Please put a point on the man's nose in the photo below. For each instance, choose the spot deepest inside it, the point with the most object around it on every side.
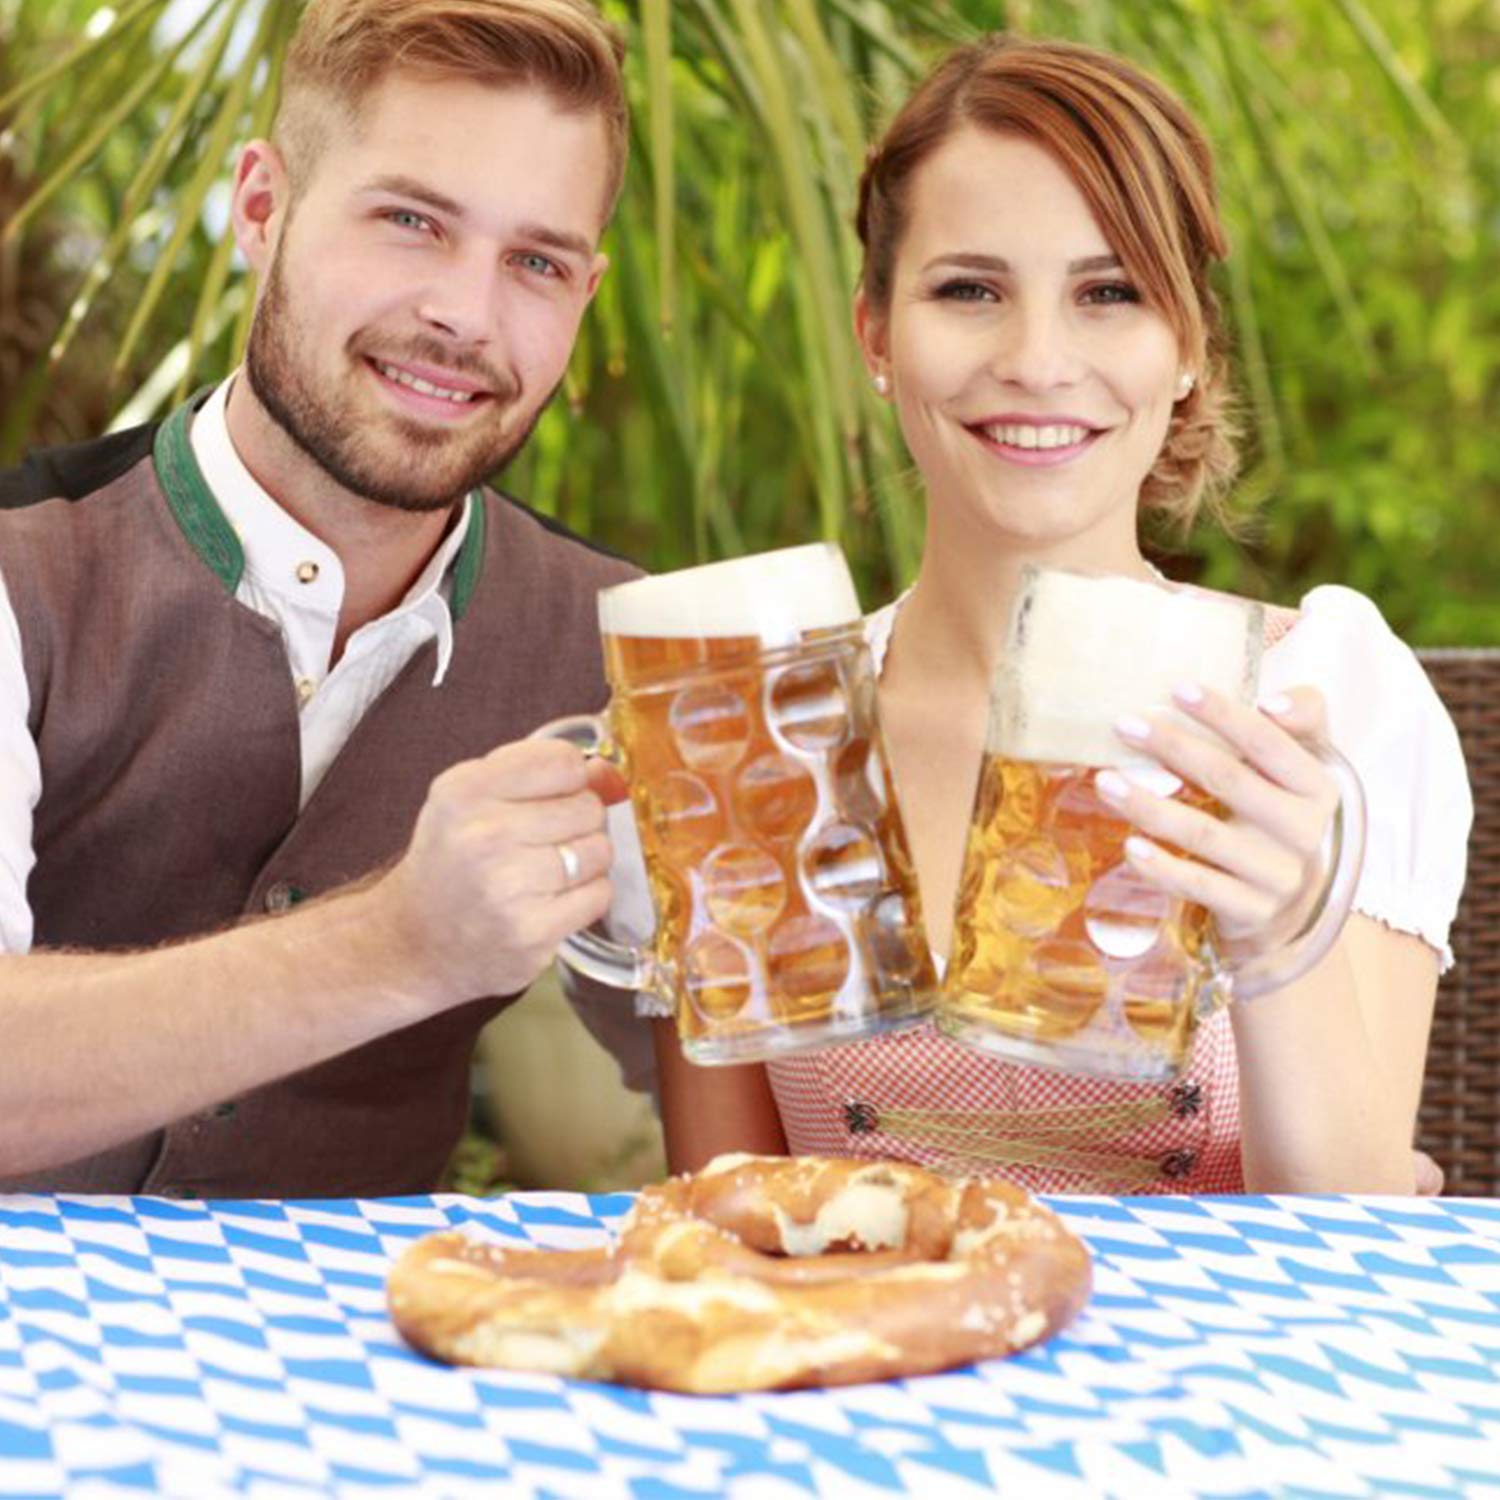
(463, 301)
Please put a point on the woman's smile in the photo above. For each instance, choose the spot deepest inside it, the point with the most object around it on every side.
(1036, 442)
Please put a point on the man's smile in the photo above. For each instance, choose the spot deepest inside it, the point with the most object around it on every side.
(427, 389)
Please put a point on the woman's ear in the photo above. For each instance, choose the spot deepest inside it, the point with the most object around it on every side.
(870, 329)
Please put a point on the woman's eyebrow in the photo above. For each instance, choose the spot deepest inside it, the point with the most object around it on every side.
(977, 261)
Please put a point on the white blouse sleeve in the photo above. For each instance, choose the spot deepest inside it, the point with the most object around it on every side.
(20, 786)
(1387, 719)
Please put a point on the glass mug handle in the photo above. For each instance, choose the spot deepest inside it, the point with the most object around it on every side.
(621, 965)
(1343, 857)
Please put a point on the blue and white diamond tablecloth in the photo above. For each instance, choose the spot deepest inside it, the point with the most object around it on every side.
(1234, 1347)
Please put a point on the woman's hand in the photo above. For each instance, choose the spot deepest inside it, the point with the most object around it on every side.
(1252, 867)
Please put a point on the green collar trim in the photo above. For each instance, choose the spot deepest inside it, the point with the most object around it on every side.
(470, 562)
(203, 523)
(211, 536)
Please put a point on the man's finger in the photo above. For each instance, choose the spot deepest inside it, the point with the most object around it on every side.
(530, 769)
(605, 780)
(587, 858)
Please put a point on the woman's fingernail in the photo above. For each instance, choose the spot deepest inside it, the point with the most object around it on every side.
(1140, 850)
(1112, 786)
(1130, 727)
(1277, 703)
(1189, 693)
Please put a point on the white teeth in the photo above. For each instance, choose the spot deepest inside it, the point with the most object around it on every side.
(425, 387)
(1026, 435)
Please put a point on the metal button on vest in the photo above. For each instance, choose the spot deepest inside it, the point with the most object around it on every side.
(306, 687)
(282, 896)
(307, 572)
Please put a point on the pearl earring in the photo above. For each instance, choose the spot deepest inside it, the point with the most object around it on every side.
(1184, 385)
(881, 384)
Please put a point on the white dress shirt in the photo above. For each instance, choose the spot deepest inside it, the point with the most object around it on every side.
(290, 577)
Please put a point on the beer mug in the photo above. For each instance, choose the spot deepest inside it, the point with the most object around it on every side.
(743, 716)
(1062, 954)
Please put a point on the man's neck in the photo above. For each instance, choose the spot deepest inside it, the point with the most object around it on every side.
(382, 549)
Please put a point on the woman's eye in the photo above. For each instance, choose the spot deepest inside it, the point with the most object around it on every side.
(965, 291)
(1108, 293)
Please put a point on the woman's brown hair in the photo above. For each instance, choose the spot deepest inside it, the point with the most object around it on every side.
(1146, 172)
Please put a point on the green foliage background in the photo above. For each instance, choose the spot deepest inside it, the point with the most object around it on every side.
(716, 403)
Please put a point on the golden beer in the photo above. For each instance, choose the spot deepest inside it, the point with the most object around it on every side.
(743, 715)
(1062, 953)
(1057, 943)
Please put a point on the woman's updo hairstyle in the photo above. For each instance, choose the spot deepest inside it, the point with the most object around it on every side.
(1146, 172)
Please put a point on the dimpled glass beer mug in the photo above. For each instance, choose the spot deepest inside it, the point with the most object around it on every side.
(1062, 954)
(743, 715)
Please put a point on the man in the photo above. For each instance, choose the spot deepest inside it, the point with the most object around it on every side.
(259, 660)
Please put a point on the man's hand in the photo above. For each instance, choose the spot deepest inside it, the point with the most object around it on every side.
(482, 896)
(94, 1044)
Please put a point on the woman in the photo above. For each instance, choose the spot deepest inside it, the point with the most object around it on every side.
(1039, 223)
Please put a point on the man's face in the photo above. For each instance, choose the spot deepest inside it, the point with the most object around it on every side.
(425, 288)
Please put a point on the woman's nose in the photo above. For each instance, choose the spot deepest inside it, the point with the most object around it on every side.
(1036, 348)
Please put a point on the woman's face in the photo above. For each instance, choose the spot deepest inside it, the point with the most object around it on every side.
(1033, 385)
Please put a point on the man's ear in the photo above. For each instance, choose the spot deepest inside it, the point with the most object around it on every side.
(871, 330)
(262, 193)
(596, 274)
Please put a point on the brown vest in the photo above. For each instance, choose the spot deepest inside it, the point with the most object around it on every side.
(166, 722)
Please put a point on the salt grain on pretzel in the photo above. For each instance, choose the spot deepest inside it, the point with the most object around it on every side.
(760, 1273)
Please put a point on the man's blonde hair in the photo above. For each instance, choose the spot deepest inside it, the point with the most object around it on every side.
(344, 48)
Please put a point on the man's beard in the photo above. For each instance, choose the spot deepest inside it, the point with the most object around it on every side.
(437, 467)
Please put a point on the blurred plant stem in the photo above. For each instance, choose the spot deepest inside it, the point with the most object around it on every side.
(716, 402)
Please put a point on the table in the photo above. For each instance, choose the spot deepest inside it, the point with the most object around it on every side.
(1233, 1347)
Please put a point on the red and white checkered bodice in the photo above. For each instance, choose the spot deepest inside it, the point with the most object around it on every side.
(834, 1103)
(917, 1096)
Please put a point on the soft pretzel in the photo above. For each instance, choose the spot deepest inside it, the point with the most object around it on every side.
(760, 1273)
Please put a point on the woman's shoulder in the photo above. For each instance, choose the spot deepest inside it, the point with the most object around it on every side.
(1336, 639)
(1334, 609)
(1330, 612)
(1387, 718)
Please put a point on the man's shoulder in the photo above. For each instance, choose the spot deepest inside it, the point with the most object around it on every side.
(74, 471)
(576, 553)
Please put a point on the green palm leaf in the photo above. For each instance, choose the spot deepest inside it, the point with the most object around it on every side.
(720, 379)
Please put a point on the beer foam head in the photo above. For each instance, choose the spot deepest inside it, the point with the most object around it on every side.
(777, 596)
(1081, 651)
